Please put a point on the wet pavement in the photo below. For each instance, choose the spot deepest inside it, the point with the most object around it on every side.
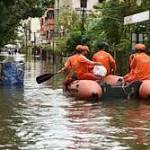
(40, 117)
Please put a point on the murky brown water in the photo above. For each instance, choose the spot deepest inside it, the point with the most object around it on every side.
(40, 117)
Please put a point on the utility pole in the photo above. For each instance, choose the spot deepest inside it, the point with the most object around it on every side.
(83, 5)
(83, 21)
(26, 39)
(34, 39)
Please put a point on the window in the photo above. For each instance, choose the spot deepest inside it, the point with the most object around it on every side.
(100, 1)
(50, 14)
(83, 3)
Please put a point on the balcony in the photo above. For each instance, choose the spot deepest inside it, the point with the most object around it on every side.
(49, 22)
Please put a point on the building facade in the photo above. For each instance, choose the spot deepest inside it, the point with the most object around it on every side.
(75, 4)
(47, 23)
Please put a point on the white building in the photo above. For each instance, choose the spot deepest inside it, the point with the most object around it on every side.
(34, 29)
(75, 4)
(30, 30)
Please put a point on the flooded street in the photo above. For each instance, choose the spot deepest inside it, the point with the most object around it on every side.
(40, 117)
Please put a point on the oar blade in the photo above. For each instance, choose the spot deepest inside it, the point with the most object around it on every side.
(44, 77)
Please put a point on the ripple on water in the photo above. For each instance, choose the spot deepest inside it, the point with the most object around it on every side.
(42, 118)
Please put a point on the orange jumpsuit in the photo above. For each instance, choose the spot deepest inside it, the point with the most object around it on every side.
(79, 64)
(140, 68)
(105, 59)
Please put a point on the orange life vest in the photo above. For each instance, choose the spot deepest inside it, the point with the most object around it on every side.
(140, 68)
(78, 64)
(105, 59)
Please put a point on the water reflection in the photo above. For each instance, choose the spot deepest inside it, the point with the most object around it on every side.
(138, 123)
(133, 117)
(39, 116)
(9, 101)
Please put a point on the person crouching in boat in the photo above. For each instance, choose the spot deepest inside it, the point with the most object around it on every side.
(139, 64)
(77, 66)
(105, 58)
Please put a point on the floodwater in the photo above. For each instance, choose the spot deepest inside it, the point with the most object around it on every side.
(40, 117)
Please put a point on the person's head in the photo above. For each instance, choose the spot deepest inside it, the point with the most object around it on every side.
(78, 48)
(103, 46)
(85, 50)
(82, 49)
(139, 47)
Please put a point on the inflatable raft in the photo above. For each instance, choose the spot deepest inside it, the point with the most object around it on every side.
(140, 89)
(84, 89)
(144, 90)
(88, 89)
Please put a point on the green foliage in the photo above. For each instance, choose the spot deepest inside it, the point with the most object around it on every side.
(75, 39)
(124, 45)
(48, 48)
(69, 20)
(112, 21)
(13, 11)
(107, 24)
(60, 45)
(110, 26)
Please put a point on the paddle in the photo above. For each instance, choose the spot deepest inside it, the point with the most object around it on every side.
(47, 76)
(44, 77)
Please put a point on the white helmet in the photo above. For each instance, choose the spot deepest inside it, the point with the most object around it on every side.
(99, 70)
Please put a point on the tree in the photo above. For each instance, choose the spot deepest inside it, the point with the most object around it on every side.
(68, 19)
(12, 12)
(111, 25)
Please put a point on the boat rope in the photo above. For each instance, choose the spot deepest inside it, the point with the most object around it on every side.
(123, 87)
(124, 90)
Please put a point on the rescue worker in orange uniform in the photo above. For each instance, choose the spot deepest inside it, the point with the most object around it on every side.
(78, 65)
(105, 58)
(139, 64)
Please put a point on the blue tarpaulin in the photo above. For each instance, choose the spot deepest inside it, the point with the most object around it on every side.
(13, 73)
